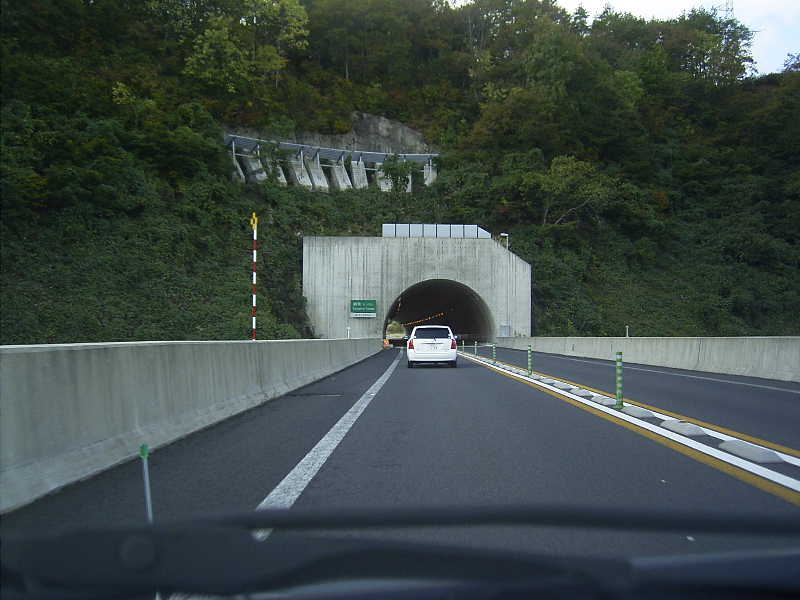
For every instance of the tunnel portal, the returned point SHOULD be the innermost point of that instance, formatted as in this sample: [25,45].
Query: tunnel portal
[468,281]
[443,302]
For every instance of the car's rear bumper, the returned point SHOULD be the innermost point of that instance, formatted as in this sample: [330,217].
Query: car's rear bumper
[416,356]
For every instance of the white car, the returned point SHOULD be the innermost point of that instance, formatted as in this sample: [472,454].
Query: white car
[432,343]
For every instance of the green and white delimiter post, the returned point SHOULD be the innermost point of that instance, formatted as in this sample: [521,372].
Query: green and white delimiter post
[618,405]
[530,360]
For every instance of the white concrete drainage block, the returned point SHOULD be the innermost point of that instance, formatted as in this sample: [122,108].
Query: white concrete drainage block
[682,427]
[750,451]
[638,412]
[548,381]
[562,386]
[583,393]
[604,400]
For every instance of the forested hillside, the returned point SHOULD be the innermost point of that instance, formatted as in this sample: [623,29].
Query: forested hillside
[642,167]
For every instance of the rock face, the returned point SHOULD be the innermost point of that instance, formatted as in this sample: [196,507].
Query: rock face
[369,132]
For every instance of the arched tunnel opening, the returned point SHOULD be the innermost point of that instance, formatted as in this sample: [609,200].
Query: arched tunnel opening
[442,302]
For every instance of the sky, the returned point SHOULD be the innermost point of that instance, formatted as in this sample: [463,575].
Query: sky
[776,23]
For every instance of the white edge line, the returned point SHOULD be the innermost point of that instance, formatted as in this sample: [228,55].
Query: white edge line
[779,478]
[793,460]
[289,489]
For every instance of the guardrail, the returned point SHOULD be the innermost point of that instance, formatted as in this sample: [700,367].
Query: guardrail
[775,357]
[72,410]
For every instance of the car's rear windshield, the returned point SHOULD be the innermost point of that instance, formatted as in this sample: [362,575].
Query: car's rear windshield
[432,332]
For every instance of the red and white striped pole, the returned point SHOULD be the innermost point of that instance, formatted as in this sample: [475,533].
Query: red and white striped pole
[254,225]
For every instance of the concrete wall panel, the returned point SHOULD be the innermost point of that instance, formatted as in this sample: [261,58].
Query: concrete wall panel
[73,410]
[769,357]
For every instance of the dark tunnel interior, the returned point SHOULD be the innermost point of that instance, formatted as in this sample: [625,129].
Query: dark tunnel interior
[443,302]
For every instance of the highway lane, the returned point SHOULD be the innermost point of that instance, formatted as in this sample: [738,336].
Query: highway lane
[469,436]
[431,436]
[229,466]
[766,409]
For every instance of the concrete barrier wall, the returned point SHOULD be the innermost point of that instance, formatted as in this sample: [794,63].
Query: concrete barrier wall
[768,357]
[72,410]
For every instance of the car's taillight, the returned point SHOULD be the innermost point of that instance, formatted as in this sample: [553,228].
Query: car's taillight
[410,344]
[453,345]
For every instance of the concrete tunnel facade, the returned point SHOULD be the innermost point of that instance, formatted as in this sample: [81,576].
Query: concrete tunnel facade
[476,286]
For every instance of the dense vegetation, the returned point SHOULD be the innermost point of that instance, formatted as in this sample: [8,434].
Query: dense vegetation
[646,172]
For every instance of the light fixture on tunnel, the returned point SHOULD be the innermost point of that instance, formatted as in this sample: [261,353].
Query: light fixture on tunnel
[441,314]
[505,235]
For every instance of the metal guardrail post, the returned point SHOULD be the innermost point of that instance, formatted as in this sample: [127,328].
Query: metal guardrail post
[494,354]
[476,347]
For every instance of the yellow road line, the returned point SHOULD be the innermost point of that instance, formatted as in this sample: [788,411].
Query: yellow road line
[785,449]
[737,472]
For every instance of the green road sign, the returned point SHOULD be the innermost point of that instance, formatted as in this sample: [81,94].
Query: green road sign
[363,308]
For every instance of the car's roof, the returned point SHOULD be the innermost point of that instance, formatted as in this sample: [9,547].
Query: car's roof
[427,326]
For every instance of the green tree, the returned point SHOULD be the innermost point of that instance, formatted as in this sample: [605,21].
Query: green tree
[218,58]
[236,54]
[570,190]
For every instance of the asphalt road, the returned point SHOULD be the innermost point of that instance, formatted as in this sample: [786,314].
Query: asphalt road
[440,437]
[763,408]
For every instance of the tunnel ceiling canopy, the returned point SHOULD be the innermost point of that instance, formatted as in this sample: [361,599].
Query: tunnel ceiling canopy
[443,302]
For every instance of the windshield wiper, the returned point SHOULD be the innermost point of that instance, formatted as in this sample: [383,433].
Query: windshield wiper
[219,554]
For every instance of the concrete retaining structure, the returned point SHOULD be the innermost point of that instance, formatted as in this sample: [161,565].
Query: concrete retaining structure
[768,357]
[359,173]
[72,410]
[340,180]
[297,172]
[384,183]
[255,170]
[317,175]
[237,174]
[429,174]
[275,168]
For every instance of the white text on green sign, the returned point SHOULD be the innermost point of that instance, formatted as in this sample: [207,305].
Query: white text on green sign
[363,308]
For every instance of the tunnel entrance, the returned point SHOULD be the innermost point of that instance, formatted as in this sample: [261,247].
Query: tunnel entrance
[442,302]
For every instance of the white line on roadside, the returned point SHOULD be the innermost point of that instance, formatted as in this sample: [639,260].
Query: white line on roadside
[756,469]
[289,489]
[629,368]
[793,460]
[718,435]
